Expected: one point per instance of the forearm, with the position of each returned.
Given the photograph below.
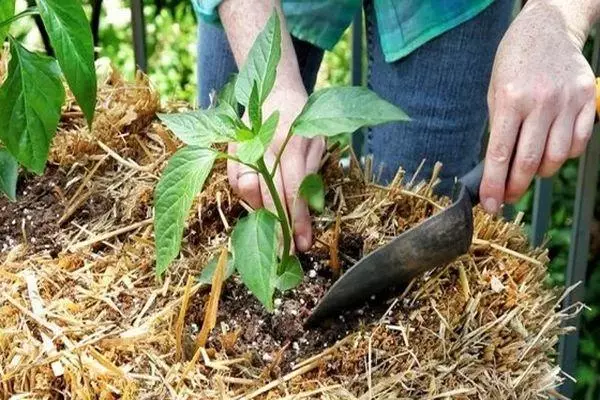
(243, 20)
(578, 16)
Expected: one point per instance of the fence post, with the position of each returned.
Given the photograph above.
(358, 138)
(580, 237)
(139, 34)
(542, 204)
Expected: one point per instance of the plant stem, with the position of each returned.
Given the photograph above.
(24, 13)
(285, 224)
(278, 158)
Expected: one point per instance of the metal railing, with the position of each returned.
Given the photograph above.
(584, 201)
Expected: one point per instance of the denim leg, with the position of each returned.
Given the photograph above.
(216, 62)
(442, 86)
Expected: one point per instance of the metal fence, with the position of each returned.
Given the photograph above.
(584, 201)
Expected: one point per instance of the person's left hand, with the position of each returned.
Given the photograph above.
(541, 101)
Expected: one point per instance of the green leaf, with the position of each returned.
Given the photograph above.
(254, 110)
(261, 63)
(255, 254)
(250, 149)
(7, 10)
(291, 275)
(181, 180)
(9, 171)
(228, 114)
(71, 37)
(199, 128)
(209, 270)
(267, 129)
(312, 190)
(227, 93)
(336, 110)
(30, 102)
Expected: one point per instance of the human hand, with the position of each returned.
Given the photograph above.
(300, 158)
(541, 100)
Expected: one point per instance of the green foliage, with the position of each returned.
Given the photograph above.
(254, 240)
(30, 102)
(251, 149)
(171, 37)
(254, 108)
(200, 128)
(32, 94)
(182, 179)
(71, 38)
(291, 275)
(7, 10)
(254, 245)
(261, 64)
(312, 189)
(336, 110)
(8, 174)
(227, 94)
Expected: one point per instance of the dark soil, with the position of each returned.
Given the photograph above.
(278, 340)
(41, 202)
(33, 217)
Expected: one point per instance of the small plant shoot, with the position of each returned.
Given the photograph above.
(261, 242)
(33, 93)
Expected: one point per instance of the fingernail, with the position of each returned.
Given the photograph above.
(491, 205)
(302, 243)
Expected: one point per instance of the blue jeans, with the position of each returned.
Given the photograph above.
(442, 86)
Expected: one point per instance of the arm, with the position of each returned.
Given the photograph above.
(541, 97)
(243, 20)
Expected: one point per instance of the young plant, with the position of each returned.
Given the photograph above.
(32, 95)
(255, 238)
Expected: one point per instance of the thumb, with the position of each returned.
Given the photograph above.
(293, 171)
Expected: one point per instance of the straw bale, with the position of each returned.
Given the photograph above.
(123, 112)
(481, 327)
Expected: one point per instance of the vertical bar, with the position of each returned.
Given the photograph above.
(95, 22)
(578, 254)
(358, 138)
(139, 34)
(542, 204)
(357, 49)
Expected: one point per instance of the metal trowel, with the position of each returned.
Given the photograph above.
(434, 242)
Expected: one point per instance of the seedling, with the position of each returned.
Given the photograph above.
(32, 95)
(255, 239)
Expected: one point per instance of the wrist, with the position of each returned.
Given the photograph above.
(576, 16)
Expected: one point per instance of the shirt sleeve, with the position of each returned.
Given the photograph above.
(207, 9)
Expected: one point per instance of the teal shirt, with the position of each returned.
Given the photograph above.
(403, 25)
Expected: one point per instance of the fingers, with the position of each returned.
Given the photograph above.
(249, 186)
(300, 158)
(584, 125)
(506, 122)
(232, 169)
(558, 143)
(529, 153)
(314, 155)
(295, 155)
(243, 180)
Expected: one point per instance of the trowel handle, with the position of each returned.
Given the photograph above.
(472, 180)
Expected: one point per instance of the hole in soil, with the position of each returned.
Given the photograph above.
(280, 338)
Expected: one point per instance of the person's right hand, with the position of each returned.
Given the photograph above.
(301, 157)
(541, 99)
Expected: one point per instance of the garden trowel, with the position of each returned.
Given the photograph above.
(436, 241)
